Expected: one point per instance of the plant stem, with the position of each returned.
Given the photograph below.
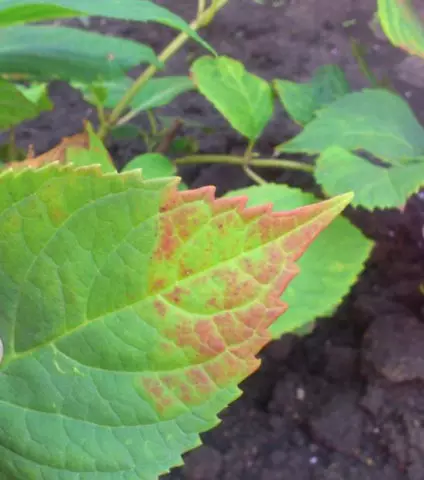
(358, 54)
(247, 158)
(12, 149)
(201, 7)
(257, 162)
(152, 121)
(254, 176)
(170, 50)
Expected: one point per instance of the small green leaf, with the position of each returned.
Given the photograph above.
(302, 100)
(95, 154)
(245, 100)
(153, 165)
(129, 314)
(14, 106)
(402, 25)
(30, 12)
(327, 270)
(135, 10)
(61, 52)
(377, 121)
(374, 186)
(125, 132)
(156, 93)
(37, 93)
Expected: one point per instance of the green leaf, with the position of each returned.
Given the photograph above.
(158, 92)
(135, 10)
(374, 186)
(245, 100)
(30, 12)
(328, 268)
(153, 165)
(129, 313)
(125, 132)
(377, 121)
(37, 93)
(61, 52)
(14, 106)
(95, 154)
(402, 25)
(303, 100)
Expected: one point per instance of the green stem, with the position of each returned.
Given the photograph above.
(201, 7)
(153, 123)
(170, 50)
(12, 149)
(358, 54)
(257, 162)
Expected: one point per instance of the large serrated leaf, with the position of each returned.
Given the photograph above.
(129, 312)
(377, 121)
(61, 52)
(303, 100)
(136, 10)
(328, 268)
(374, 186)
(402, 25)
(245, 100)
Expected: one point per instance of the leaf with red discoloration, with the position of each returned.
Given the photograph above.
(402, 25)
(130, 312)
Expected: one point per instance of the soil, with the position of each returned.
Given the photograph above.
(347, 401)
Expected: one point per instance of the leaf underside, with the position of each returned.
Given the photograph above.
(376, 121)
(61, 52)
(129, 312)
(303, 100)
(339, 171)
(135, 10)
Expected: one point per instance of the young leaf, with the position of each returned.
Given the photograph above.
(402, 25)
(15, 14)
(377, 121)
(61, 52)
(245, 100)
(328, 268)
(94, 153)
(130, 311)
(153, 165)
(135, 10)
(38, 95)
(14, 106)
(303, 100)
(158, 92)
(374, 186)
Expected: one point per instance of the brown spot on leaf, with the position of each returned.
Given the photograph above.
(160, 307)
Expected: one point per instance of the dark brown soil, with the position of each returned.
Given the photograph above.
(347, 401)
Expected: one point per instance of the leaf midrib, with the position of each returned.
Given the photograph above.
(13, 357)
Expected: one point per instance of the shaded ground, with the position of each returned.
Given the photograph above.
(346, 402)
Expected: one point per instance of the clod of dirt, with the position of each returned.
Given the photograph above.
(339, 424)
(279, 350)
(205, 463)
(394, 346)
(341, 362)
